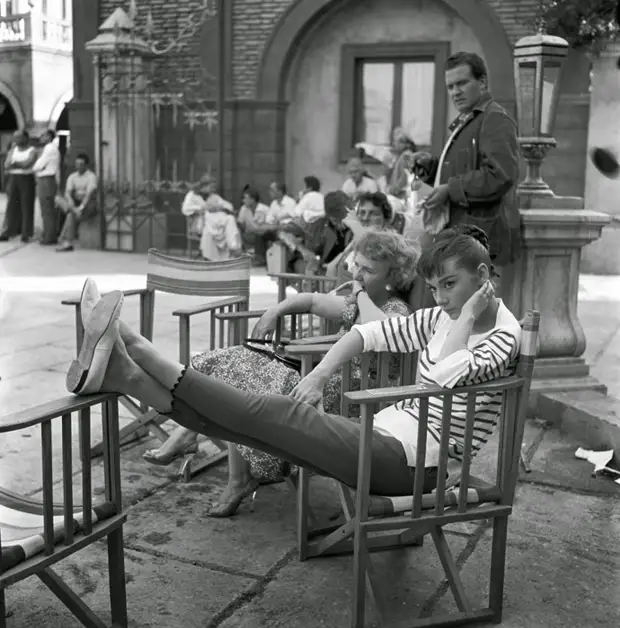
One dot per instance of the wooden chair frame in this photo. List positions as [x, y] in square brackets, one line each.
[70, 541]
[222, 333]
[357, 534]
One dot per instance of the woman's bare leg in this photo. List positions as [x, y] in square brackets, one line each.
[240, 484]
[143, 353]
[125, 376]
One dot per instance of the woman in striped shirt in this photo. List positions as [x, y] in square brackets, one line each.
[469, 337]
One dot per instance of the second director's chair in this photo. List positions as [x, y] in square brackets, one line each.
[173, 275]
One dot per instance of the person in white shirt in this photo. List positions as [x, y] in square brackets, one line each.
[80, 201]
[19, 216]
[47, 173]
[283, 206]
[258, 224]
[359, 181]
[212, 217]
[311, 206]
[469, 337]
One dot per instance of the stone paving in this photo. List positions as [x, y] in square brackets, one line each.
[185, 570]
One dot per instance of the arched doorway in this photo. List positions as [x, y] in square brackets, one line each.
[59, 121]
[304, 63]
[8, 125]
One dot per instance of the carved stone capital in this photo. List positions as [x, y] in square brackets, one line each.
[536, 148]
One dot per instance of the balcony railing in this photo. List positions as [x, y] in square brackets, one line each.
[35, 29]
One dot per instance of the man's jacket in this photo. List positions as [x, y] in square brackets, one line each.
[481, 169]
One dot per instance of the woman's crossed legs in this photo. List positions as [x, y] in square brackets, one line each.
[276, 424]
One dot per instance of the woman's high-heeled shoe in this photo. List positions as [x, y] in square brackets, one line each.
[231, 506]
[153, 456]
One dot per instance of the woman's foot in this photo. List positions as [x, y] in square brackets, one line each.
[87, 373]
[180, 443]
[233, 495]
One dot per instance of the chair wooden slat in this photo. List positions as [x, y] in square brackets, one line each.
[67, 477]
[444, 453]
[467, 451]
[87, 505]
[48, 478]
[420, 458]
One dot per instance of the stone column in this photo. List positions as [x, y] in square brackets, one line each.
[123, 122]
[546, 278]
[603, 256]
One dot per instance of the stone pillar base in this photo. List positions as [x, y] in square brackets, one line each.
[546, 278]
[565, 374]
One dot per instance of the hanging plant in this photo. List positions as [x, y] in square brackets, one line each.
[587, 25]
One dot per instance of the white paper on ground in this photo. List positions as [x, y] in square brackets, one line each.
[600, 460]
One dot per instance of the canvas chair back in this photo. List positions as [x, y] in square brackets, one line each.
[201, 278]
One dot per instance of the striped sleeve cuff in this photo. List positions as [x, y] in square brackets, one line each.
[373, 336]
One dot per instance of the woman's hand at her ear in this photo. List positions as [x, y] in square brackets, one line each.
[479, 301]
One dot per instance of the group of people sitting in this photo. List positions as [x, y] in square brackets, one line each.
[273, 420]
[316, 229]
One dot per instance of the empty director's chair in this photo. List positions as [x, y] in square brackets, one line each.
[37, 534]
[174, 275]
[409, 518]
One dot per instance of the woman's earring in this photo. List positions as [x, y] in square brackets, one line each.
[388, 287]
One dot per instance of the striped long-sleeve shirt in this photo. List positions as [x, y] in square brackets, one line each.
[488, 356]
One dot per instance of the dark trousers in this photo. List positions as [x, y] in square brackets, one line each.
[19, 217]
[293, 431]
[46, 189]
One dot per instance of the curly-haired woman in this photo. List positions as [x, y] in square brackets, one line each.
[383, 271]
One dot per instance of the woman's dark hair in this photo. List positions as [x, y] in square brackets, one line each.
[336, 204]
[466, 244]
[252, 193]
[312, 183]
[84, 157]
[380, 201]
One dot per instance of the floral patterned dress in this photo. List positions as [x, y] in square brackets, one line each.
[255, 372]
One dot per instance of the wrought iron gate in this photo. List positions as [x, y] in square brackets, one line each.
[157, 129]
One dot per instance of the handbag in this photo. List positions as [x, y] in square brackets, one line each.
[273, 351]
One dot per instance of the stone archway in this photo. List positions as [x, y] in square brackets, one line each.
[15, 103]
[300, 19]
[60, 108]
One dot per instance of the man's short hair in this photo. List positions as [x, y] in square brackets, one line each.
[84, 157]
[252, 192]
[474, 61]
[312, 183]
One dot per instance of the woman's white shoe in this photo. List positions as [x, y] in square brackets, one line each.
[86, 374]
[88, 299]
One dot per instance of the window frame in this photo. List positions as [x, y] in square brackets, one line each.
[352, 58]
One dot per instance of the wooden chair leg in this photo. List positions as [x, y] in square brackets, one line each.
[360, 563]
[303, 502]
[451, 570]
[3, 611]
[498, 567]
[116, 568]
[70, 599]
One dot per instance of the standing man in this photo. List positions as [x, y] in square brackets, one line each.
[81, 201]
[283, 206]
[476, 175]
[47, 172]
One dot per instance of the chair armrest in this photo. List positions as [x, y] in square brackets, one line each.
[315, 340]
[127, 293]
[235, 316]
[398, 393]
[207, 307]
[311, 349]
[294, 276]
[52, 410]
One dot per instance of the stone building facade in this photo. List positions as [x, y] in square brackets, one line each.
[36, 68]
[295, 82]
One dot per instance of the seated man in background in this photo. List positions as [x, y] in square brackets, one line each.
[311, 205]
[316, 244]
[283, 206]
[79, 202]
[212, 218]
[258, 225]
[359, 181]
